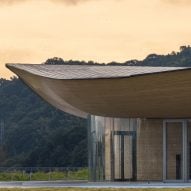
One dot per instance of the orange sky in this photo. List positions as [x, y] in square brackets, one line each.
[101, 30]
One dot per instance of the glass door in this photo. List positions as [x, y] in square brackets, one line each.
[124, 149]
[174, 151]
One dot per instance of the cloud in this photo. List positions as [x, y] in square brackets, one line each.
[10, 2]
[67, 2]
[177, 2]
[12, 55]
[70, 2]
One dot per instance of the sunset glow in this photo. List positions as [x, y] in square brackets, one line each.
[100, 30]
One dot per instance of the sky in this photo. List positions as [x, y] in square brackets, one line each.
[31, 31]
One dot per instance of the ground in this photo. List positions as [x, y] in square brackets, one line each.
[93, 189]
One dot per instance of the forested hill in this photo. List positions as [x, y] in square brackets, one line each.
[36, 134]
[33, 133]
[181, 58]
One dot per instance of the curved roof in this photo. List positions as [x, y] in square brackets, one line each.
[68, 72]
[113, 91]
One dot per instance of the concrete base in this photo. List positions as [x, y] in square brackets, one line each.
[84, 184]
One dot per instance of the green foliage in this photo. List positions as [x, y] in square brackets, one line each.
[37, 134]
[81, 174]
[176, 59]
[78, 175]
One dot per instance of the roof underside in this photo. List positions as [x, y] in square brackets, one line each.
[113, 91]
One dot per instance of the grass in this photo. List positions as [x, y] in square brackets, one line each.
[40, 175]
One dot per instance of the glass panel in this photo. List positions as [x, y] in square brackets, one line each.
[117, 157]
[174, 151]
[128, 156]
[96, 148]
[110, 154]
[108, 150]
[123, 156]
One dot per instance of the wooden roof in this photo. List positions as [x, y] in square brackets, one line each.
[112, 91]
[68, 72]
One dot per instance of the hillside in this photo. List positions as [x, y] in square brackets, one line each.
[35, 133]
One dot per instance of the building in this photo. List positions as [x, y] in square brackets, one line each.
[139, 117]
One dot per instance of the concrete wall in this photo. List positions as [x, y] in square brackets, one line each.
[150, 149]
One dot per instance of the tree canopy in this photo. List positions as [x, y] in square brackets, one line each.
[181, 58]
[35, 133]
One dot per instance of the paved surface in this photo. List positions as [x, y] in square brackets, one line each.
[82, 184]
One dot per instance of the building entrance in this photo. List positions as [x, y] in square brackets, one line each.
[174, 150]
[177, 150]
[124, 155]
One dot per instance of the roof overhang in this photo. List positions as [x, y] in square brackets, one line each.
[157, 92]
